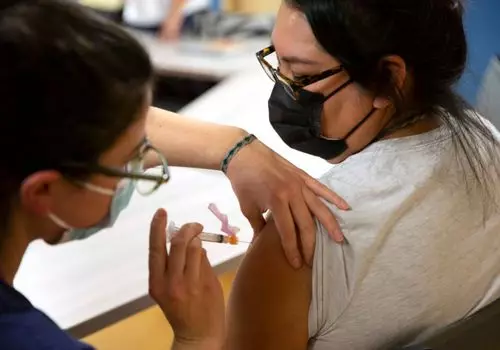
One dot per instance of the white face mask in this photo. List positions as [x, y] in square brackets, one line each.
[121, 198]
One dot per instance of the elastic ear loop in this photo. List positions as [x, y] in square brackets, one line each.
[99, 189]
[59, 222]
[337, 90]
[361, 122]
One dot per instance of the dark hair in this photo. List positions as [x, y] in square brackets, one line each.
[429, 36]
[71, 83]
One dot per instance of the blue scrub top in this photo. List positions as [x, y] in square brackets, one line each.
[23, 327]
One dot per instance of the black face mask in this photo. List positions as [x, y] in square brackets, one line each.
[298, 123]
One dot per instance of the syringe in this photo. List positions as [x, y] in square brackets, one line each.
[172, 229]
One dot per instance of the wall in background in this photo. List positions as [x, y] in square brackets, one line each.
[104, 5]
[482, 23]
[252, 6]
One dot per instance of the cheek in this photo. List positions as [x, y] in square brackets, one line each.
[83, 208]
[343, 111]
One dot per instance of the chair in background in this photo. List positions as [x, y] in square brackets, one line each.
[481, 331]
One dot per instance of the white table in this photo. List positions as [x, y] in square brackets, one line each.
[77, 282]
[198, 59]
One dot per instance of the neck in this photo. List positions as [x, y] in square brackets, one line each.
[420, 127]
[12, 249]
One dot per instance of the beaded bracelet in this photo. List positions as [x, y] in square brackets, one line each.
[233, 151]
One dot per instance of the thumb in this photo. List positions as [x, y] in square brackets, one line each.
[256, 219]
[158, 257]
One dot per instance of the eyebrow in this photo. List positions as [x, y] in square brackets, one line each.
[298, 60]
[295, 59]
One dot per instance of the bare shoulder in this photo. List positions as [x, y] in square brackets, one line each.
[269, 303]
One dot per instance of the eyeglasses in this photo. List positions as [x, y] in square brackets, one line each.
[146, 180]
[292, 87]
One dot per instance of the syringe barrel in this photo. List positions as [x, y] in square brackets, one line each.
[211, 237]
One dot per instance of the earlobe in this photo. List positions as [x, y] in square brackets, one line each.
[35, 191]
[381, 102]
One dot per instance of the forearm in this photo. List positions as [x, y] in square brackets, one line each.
[176, 8]
[189, 142]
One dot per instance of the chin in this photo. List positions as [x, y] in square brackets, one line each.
[54, 239]
[339, 159]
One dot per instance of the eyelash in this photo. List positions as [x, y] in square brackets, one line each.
[294, 76]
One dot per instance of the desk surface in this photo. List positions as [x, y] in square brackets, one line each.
[200, 59]
[77, 282]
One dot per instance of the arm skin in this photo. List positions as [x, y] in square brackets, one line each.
[195, 346]
[269, 304]
[189, 142]
[173, 22]
[176, 7]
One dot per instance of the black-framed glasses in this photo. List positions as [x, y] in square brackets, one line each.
[146, 179]
[292, 87]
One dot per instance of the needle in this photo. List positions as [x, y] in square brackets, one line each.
[172, 229]
[219, 238]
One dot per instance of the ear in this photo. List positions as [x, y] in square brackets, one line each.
[397, 68]
[36, 191]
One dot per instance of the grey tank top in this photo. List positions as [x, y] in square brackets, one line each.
[423, 246]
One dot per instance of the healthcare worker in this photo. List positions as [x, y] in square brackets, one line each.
[166, 17]
[78, 133]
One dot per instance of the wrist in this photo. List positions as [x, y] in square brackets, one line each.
[226, 145]
[233, 151]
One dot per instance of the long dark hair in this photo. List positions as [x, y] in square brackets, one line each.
[429, 36]
[71, 83]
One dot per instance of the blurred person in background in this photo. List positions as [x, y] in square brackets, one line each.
[168, 18]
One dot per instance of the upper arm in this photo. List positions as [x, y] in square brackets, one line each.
[269, 303]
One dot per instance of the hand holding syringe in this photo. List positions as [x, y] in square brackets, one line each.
[229, 238]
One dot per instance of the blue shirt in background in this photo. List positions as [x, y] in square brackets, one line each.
[23, 327]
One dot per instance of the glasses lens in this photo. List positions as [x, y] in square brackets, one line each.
[288, 88]
[144, 186]
[272, 61]
[267, 69]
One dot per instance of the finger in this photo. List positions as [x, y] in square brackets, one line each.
[255, 218]
[304, 221]
[286, 229]
[206, 271]
[158, 257]
[193, 262]
[324, 192]
[178, 250]
[324, 215]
